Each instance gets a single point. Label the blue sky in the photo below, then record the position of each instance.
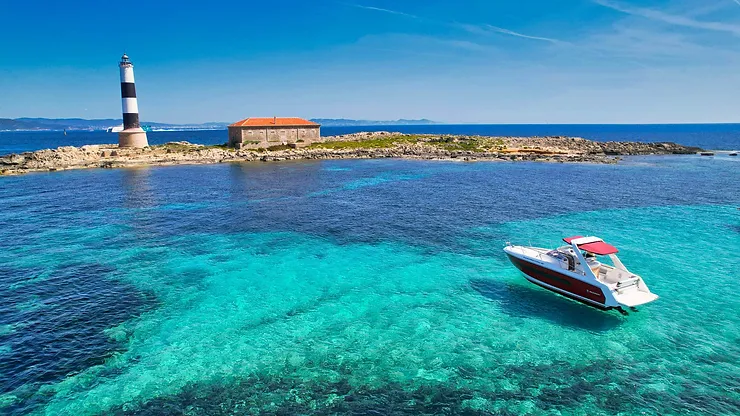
(496, 61)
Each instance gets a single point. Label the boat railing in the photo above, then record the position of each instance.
(623, 284)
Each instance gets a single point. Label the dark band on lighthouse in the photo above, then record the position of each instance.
(130, 121)
(128, 90)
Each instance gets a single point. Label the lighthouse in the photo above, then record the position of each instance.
(132, 135)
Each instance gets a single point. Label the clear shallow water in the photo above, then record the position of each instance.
(361, 286)
(707, 136)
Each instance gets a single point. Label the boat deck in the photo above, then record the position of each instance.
(635, 298)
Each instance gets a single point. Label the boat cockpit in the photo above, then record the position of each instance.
(610, 274)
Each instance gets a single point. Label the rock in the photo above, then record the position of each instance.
(183, 143)
(13, 159)
(428, 147)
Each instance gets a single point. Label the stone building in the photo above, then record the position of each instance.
(260, 132)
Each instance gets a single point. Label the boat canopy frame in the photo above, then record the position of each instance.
(593, 245)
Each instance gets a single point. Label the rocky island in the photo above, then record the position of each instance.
(352, 146)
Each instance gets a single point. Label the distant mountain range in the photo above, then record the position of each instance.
(347, 122)
(26, 123)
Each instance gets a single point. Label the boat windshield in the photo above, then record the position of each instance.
(603, 259)
(557, 254)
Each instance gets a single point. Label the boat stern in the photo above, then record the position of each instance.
(634, 298)
(633, 292)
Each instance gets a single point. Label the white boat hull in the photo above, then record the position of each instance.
(546, 274)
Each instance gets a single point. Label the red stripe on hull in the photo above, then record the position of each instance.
(561, 281)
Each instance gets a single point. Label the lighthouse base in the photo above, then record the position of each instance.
(132, 138)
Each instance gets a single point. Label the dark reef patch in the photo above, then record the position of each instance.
(611, 387)
(58, 325)
(292, 396)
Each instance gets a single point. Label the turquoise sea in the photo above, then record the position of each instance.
(373, 287)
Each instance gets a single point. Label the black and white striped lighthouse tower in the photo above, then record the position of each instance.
(132, 135)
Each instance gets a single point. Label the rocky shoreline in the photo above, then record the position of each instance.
(353, 146)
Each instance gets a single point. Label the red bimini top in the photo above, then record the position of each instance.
(597, 247)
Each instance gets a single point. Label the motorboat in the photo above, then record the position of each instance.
(587, 270)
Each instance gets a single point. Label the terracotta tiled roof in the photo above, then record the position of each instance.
(273, 121)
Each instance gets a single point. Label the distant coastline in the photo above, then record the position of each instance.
(81, 124)
(338, 122)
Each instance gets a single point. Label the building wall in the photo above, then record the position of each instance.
(263, 137)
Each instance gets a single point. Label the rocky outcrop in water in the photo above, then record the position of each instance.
(353, 146)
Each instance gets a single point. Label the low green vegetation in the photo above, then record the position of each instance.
(224, 146)
(379, 142)
(176, 147)
(474, 144)
(189, 148)
(279, 147)
(449, 143)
